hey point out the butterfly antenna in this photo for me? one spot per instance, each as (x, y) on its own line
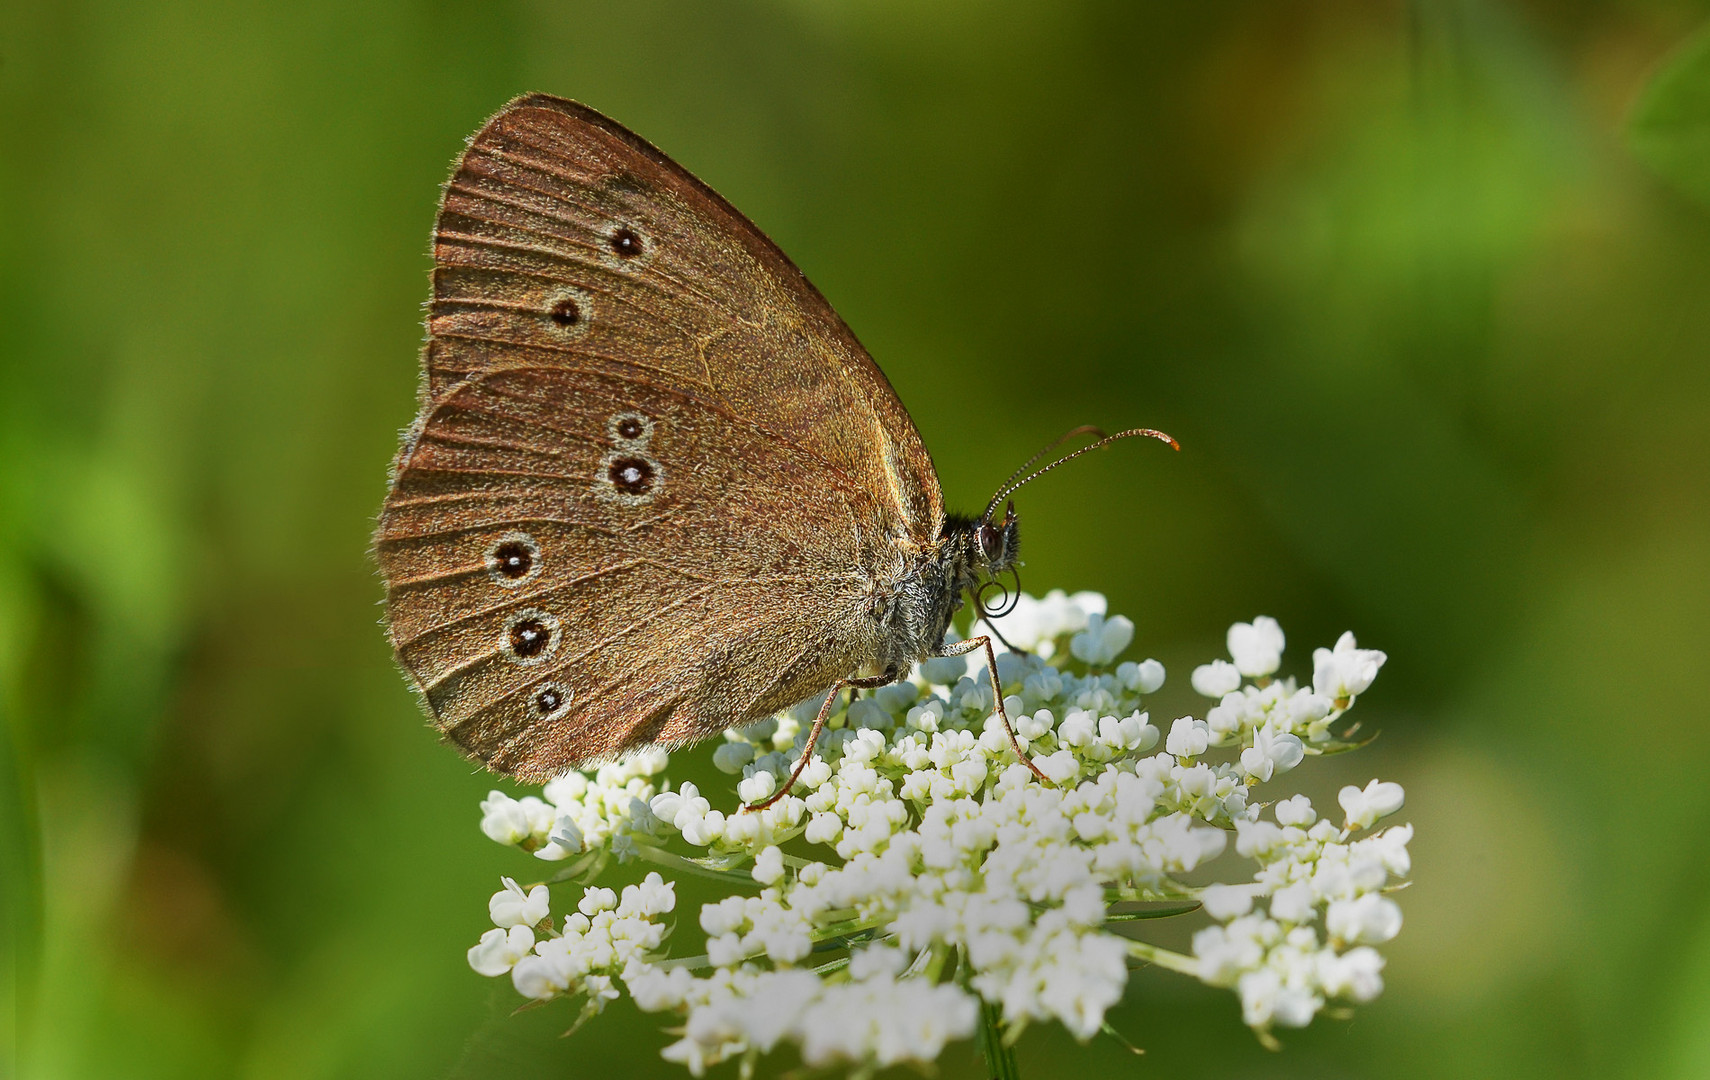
(1011, 484)
(1072, 433)
(1012, 599)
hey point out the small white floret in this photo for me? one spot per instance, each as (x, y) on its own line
(1103, 640)
(1371, 919)
(511, 906)
(1272, 752)
(1256, 647)
(500, 949)
(1216, 678)
(1296, 810)
(943, 670)
(1364, 806)
(1294, 904)
(1355, 975)
(1225, 902)
(1188, 738)
(769, 866)
(757, 787)
(524, 821)
(1345, 672)
(596, 900)
(730, 757)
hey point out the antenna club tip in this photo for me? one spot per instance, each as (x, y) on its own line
(1159, 435)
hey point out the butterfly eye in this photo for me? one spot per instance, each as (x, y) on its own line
(991, 543)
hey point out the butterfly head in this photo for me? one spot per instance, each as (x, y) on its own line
(996, 544)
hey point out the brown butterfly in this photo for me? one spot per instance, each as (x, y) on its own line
(656, 488)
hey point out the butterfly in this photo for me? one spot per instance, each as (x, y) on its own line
(656, 488)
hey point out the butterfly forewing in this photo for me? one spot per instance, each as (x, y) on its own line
(654, 475)
(553, 202)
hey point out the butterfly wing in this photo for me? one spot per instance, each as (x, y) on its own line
(654, 477)
(554, 207)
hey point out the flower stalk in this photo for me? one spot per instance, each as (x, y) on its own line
(999, 1055)
(1164, 958)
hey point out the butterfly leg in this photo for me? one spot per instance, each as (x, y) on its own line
(985, 642)
(868, 683)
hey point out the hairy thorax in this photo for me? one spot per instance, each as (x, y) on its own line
(912, 610)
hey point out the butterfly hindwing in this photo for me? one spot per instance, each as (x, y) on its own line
(682, 570)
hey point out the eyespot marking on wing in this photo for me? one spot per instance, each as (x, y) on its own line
(629, 477)
(530, 637)
(571, 310)
(630, 430)
(513, 559)
(624, 241)
(626, 247)
(550, 701)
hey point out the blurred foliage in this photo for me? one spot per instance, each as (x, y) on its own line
(1433, 339)
(1670, 126)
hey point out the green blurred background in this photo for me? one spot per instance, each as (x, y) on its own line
(1428, 309)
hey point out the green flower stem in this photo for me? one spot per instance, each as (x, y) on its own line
(585, 868)
(1164, 958)
(832, 968)
(1150, 895)
(1000, 1057)
(690, 962)
(844, 929)
(936, 958)
(661, 857)
(1183, 908)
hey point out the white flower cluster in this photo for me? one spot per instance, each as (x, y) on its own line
(918, 868)
(1307, 867)
(579, 812)
(605, 938)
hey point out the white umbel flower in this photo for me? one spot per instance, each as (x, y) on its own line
(915, 843)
